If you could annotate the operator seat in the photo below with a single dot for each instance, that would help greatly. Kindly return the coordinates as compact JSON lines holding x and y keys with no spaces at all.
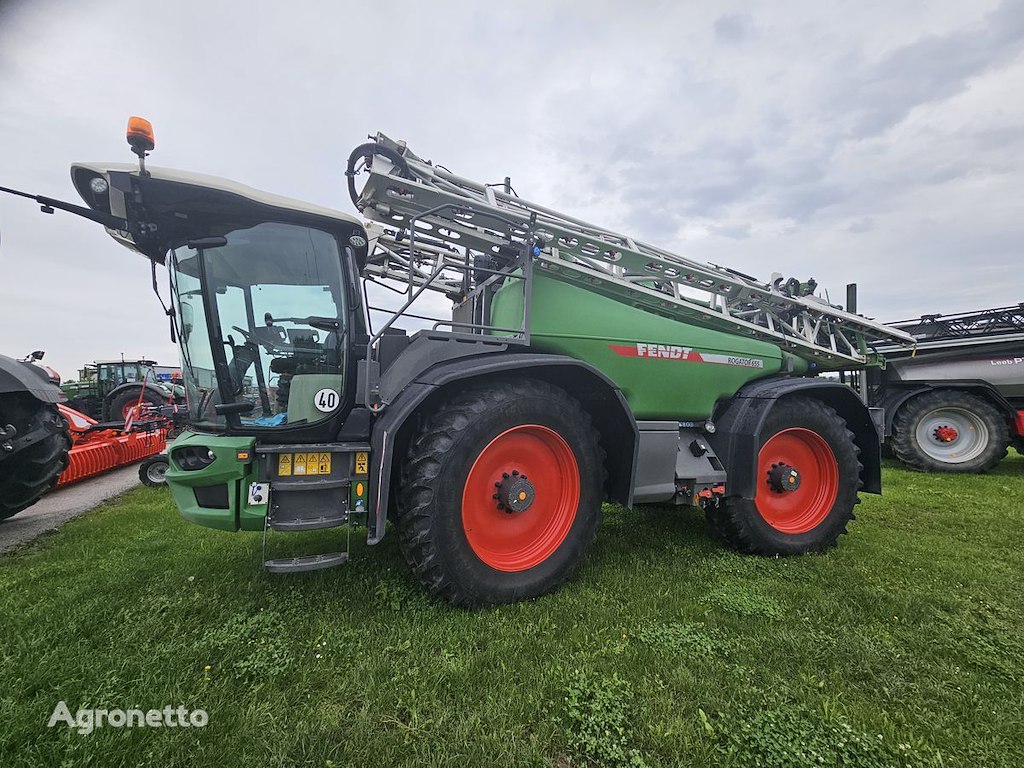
{"x":242,"y":358}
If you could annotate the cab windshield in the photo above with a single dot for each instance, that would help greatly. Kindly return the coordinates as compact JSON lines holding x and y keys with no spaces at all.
{"x":262,"y":325}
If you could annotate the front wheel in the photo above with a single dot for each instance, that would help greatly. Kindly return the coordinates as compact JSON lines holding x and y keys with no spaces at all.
{"x":153,"y":471}
{"x":808,"y":474}
{"x":500,"y":493}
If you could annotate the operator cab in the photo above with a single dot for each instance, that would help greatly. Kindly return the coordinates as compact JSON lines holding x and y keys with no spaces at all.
{"x":264,"y":327}
{"x":264,"y":295}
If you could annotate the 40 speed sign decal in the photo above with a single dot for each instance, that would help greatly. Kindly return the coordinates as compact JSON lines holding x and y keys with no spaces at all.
{"x":326,"y":400}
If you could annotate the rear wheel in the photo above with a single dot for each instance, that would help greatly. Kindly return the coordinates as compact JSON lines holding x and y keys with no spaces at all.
{"x":808,"y":474}
{"x":32,"y":471}
{"x":949,"y":431}
{"x":500,"y":493}
{"x":90,"y":405}
{"x":123,"y":402}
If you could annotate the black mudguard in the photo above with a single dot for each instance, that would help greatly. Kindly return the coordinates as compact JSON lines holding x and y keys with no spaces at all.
{"x":739,"y":421}
{"x":135,"y":385}
{"x":16,"y":376}
{"x":616,"y":418}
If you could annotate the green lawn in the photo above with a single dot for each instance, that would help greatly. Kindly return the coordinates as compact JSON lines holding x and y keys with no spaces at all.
{"x":902,"y":647}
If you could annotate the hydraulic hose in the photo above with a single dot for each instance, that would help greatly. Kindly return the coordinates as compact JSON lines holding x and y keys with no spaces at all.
{"x":368,"y":150}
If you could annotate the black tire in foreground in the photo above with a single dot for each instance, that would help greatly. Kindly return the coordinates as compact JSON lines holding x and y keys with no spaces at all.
{"x":32,"y":471}
{"x":153,"y":471}
{"x":949,"y":430}
{"x":808,"y":477}
{"x":120,"y":404}
{"x":500,"y":493}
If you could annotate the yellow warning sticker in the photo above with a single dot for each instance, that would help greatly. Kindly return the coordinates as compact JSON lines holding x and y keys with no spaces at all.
{"x":362,"y":463}
{"x":289,"y":464}
{"x":284,"y":465}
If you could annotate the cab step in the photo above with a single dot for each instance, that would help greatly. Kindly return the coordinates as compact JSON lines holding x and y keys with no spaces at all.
{"x":308,"y":523}
{"x":309,"y":563}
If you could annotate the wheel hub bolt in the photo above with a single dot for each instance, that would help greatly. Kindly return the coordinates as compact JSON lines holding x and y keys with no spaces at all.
{"x":515,"y":492}
{"x":946,"y":434}
{"x":783,"y":478}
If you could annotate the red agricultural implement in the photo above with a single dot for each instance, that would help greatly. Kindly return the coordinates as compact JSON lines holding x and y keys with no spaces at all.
{"x":99,"y":447}
{"x":44,"y":443}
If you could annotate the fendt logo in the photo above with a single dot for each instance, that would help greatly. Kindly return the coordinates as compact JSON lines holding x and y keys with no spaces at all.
{"x":657,"y":351}
{"x":664,"y":351}
{"x":651,"y":351}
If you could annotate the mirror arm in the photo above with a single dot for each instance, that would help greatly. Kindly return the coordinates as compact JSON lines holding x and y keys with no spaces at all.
{"x":169,"y":311}
{"x":47,"y":204}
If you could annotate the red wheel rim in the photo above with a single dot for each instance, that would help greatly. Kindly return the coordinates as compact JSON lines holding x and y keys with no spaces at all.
{"x":803,"y":509}
{"x":516,"y":541}
{"x":127,"y":408}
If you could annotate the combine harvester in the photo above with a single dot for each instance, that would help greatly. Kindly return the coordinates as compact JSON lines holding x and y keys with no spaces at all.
{"x":576,"y":365}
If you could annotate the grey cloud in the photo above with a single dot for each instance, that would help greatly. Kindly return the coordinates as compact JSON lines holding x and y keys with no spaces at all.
{"x":933,"y":68}
{"x":732,"y":231}
{"x":864,"y":224}
{"x":733,"y":27}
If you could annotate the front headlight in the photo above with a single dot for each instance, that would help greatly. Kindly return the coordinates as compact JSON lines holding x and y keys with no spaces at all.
{"x":190,"y":458}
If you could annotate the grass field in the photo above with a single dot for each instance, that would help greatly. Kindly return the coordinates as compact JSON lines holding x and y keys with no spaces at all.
{"x":902,"y":647}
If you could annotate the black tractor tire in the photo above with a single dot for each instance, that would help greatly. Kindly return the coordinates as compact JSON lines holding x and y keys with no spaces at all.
{"x":981,"y":439}
{"x":90,"y":405}
{"x":116,"y":405}
{"x":33,"y":471}
{"x":812,"y":516}
{"x":152,"y":471}
{"x":460,"y":541}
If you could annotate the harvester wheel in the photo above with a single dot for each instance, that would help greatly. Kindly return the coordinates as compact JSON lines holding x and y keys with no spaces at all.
{"x":124,"y":401}
{"x":949,"y":431}
{"x":500,"y":493}
{"x":153,"y":471}
{"x":33,"y":471}
{"x":808,"y":478}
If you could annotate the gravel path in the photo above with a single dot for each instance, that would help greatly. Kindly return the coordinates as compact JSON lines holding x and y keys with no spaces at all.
{"x":56,"y":508}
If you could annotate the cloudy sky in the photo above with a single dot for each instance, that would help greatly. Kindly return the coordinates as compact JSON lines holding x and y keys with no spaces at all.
{"x":876,"y":142}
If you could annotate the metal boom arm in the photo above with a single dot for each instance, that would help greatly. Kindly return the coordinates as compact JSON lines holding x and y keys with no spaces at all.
{"x":450,"y":213}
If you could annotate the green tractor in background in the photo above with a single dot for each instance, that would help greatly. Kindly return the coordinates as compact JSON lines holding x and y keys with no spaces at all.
{"x":107,"y":390}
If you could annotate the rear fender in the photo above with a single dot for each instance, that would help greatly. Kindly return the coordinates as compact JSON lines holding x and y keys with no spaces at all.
{"x":16,"y":376}
{"x":739,"y":423}
{"x":595,"y":392}
{"x":137,"y":386}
